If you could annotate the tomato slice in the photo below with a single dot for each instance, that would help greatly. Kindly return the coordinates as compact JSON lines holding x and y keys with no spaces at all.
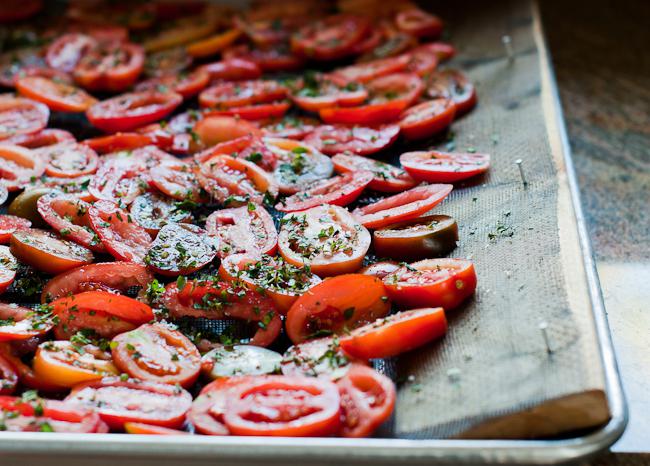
{"x":153,"y":211}
{"x":213,"y":44}
{"x":8,"y":377}
{"x":402,"y":86}
{"x":64,"y":53}
{"x":364,"y":72}
{"x":8,"y":267}
{"x":233,"y":69}
{"x":229,"y":94}
{"x":77,"y":187}
{"x":58,"y":96}
{"x":248,"y":147}
{"x":47,"y":252}
{"x":187,"y":84}
{"x":284,"y":406}
{"x":140,"y":428}
{"x":380,"y":269}
{"x":69,"y":160}
{"x":21,"y":323}
{"x":370,"y":114}
{"x":320,"y":357}
{"x":340,"y":190}
{"x":178,"y":181}
{"x":223,"y":176}
{"x":386,"y":177}
{"x":422,"y":61}
{"x":45,"y":137}
{"x":452,"y":84}
{"x":395,"y":334}
{"x":19,"y":115}
{"x":255,"y":112}
{"x":326,"y":238}
{"x":239,"y":360}
{"x":116,"y":182}
{"x":404,"y":206}
{"x":10,"y":224}
{"x":132,"y":110}
{"x":283,"y":282}
{"x":67,"y":364}
{"x":266,"y":33}
{"x":40,"y":415}
{"x":428,"y":118}
{"x":299,"y":165}
{"x":124,"y":239}
{"x":180,"y":249}
{"x":108,"y":314}
{"x":419,"y":23}
{"x":443,"y":167}
{"x":361,"y":140}
{"x":432,"y":282}
{"x":289,"y":127}
{"x":248,"y":229}
{"x":113,"y":399}
{"x":319,"y":91}
{"x":272,"y":60}
{"x":367,"y":400}
{"x":337,"y":305}
{"x":156,"y":353}
{"x":106,"y":276}
{"x":331,"y":38}
{"x":25,"y":373}
{"x":218,"y":129}
{"x":68,"y":215}
{"x":19,"y":166}
{"x":112,"y":67}
{"x":442,"y":50}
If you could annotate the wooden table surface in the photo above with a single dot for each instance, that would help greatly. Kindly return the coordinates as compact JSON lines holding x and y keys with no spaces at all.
{"x":600,"y":54}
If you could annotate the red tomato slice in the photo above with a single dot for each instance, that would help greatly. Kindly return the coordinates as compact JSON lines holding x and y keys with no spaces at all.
{"x":228,"y":94}
{"x":419,"y":23}
{"x":234,"y":69}
{"x":370,"y":42}
{"x":113,"y":399}
{"x":284,"y":406}
{"x":222,"y":300}
{"x":26,"y":375}
{"x":364,"y":72}
{"x":114,"y":67}
{"x":19,"y":115}
{"x":21,"y":62}
{"x":186,"y":84}
{"x":47,"y":252}
{"x":386,"y":177}
{"x":68,"y":215}
{"x":180,"y":249}
{"x":380,"y":269}
{"x":156,"y":353}
{"x":123,"y":238}
{"x":19,"y":166}
{"x":404,"y":206}
{"x":8,"y":266}
{"x":248,"y":147}
{"x":46,"y":137}
{"x":108,"y":314}
{"x":40,"y":415}
{"x":337,"y":305}
{"x":77,"y":187}
{"x":69,"y":160}
{"x":266,"y":33}
{"x":22,"y":323}
{"x":316,"y":358}
{"x":340,"y":190}
{"x":4,"y":194}
{"x":362,"y":140}
{"x":10,"y":224}
{"x":129,"y":111}
{"x":299,"y":165}
{"x":289,"y":127}
{"x":331,"y":38}
{"x":432,"y":282}
{"x":422,"y":61}
{"x":367,"y":400}
{"x":8,"y":377}
{"x":57,"y":96}
{"x":370,"y":114}
{"x":272,"y":60}
{"x":321,"y":91}
{"x":64,"y":53}
{"x":452,"y":84}
{"x":105,"y":276}
{"x":428,"y":118}
{"x":443,"y":167}
{"x":214,"y":130}
{"x":397,"y":86}
{"x":243,"y":230}
{"x":153,"y":212}
{"x":255,"y":112}
{"x":178,"y":181}
{"x":395,"y":334}
{"x":140,"y":428}
{"x":126,"y":141}
{"x":115,"y":182}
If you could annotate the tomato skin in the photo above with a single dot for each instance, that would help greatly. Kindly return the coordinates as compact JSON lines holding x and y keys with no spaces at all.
{"x":240,"y":230}
{"x":44,"y":251}
{"x":428,"y":118}
{"x":338,"y":303}
{"x":370,"y":114}
{"x":20,"y":115}
{"x":367,"y":400}
{"x":434,"y":283}
{"x":443,"y":167}
{"x":419,"y":23}
{"x":158,"y":404}
{"x":233,"y":69}
{"x":163,"y":355}
{"x":360,"y":140}
{"x":331,"y":38}
{"x":10,"y":224}
{"x":140,"y":428}
{"x":99,"y":70}
{"x":319,"y":415}
{"x":59,"y":97}
{"x":386,"y":178}
{"x":132,"y":110}
{"x":404,"y":206}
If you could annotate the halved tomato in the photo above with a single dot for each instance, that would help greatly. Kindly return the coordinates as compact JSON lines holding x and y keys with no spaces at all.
{"x":361,"y":140}
{"x":337,"y":305}
{"x":326,"y":238}
{"x":367,"y":400}
{"x":112,"y":398}
{"x":123,"y":238}
{"x":22,"y":323}
{"x":47,"y":252}
{"x":216,"y":129}
{"x":248,"y":147}
{"x":127,"y":141}
{"x":186,"y":84}
{"x":299,"y":165}
{"x":129,"y":111}
{"x":8,"y":267}
{"x":19,"y":166}
{"x":364,"y":72}
{"x":157,"y":353}
{"x":402,"y":86}
{"x":108,"y":314}
{"x":443,"y":167}
{"x":422,"y":61}
{"x":69,"y":159}
{"x":428,"y":118}
{"x":180,"y":249}
{"x":17,"y":10}
{"x":140,"y":428}
{"x":442,"y":50}
{"x":395,"y":334}
{"x":418,"y":23}
{"x":116,"y":181}
{"x":64,"y":52}
{"x":58,"y":96}
{"x":107,"y":276}
{"x":233,"y":69}
{"x":289,"y":127}
{"x":331,"y":38}
{"x":8,"y":377}
{"x":320,"y":357}
{"x":432,"y":282}
{"x":452,"y":84}
{"x":239,"y":360}
{"x":213,"y":44}
{"x":153,"y":211}
{"x":284,"y":406}
{"x":10,"y":224}
{"x":316,"y":91}
{"x":230,"y":94}
{"x":45,"y":137}
{"x":387,"y":178}
{"x":340,"y":191}
{"x":370,"y":114}
{"x":19,"y":115}
{"x":404,"y":206}
{"x":112,"y":67}
{"x":247,"y":229}
{"x":178,"y":181}
{"x":380,"y":269}
{"x":273,"y":59}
